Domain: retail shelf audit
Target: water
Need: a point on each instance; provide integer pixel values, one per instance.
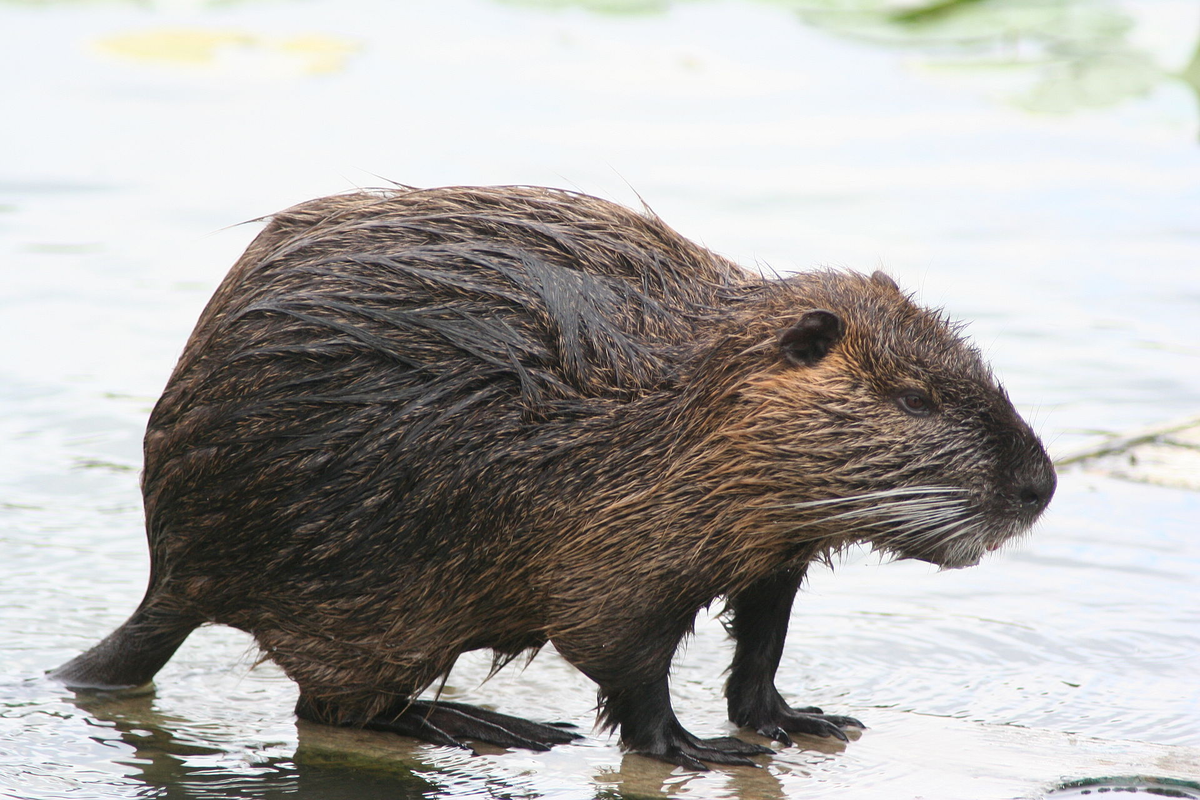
(1034, 168)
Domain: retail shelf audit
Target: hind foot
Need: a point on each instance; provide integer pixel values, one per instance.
(446, 723)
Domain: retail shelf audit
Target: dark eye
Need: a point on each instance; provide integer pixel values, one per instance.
(915, 402)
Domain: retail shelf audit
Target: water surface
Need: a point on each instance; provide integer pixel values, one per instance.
(1033, 168)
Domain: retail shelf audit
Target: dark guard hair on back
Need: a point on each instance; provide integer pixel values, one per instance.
(414, 423)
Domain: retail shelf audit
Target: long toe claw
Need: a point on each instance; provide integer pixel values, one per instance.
(777, 733)
(835, 732)
(814, 724)
(845, 722)
(682, 759)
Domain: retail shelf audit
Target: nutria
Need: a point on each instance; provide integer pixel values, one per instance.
(413, 423)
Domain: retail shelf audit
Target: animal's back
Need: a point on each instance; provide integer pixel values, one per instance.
(354, 396)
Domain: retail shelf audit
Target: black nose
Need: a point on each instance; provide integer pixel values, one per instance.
(1035, 495)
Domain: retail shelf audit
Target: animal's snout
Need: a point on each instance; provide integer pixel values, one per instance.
(1036, 491)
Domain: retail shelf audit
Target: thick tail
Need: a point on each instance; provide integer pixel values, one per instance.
(131, 655)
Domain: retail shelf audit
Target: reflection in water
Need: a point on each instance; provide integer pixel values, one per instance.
(638, 776)
(168, 765)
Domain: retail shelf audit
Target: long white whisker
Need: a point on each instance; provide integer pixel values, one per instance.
(937, 523)
(917, 523)
(923, 491)
(941, 532)
(902, 510)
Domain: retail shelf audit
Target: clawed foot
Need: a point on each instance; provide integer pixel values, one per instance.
(691, 752)
(448, 723)
(809, 720)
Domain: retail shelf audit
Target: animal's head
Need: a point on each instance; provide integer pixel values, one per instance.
(874, 420)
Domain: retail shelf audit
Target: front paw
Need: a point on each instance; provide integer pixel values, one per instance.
(767, 713)
(691, 752)
(810, 721)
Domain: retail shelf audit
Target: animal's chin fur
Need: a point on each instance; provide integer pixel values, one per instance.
(962, 554)
(961, 561)
(961, 558)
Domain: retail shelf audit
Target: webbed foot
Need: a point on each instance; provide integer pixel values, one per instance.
(447, 723)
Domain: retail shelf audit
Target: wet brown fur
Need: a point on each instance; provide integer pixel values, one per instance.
(413, 423)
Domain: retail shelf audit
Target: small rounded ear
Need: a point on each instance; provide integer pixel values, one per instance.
(807, 342)
(883, 279)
